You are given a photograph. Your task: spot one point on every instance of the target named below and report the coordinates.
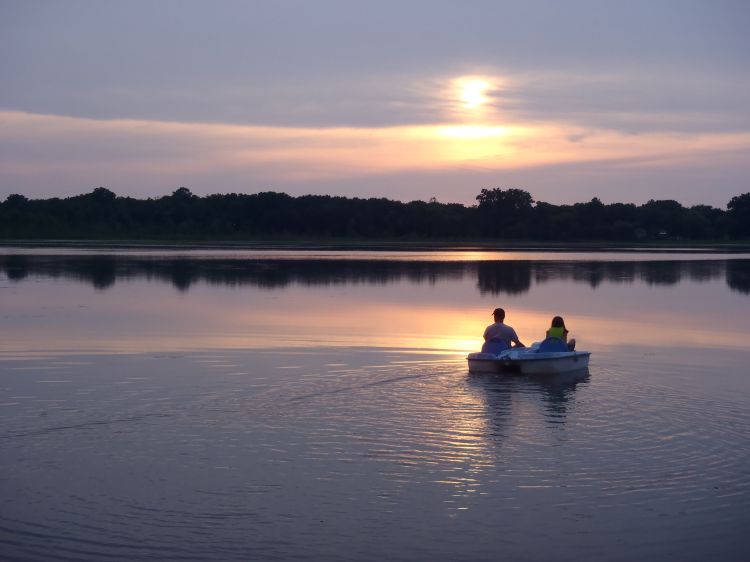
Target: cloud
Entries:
(337, 95)
(64, 155)
(635, 66)
(634, 100)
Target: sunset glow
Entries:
(473, 93)
(473, 132)
(411, 120)
(290, 154)
(365, 316)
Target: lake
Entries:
(237, 404)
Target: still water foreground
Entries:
(246, 407)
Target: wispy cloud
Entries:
(48, 145)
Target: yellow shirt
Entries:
(557, 333)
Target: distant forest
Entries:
(500, 214)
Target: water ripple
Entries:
(304, 463)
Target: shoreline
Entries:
(384, 245)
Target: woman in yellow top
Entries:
(558, 330)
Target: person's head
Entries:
(499, 314)
(557, 322)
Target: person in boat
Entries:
(558, 330)
(500, 332)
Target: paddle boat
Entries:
(549, 357)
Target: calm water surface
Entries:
(249, 405)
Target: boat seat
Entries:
(495, 346)
(552, 345)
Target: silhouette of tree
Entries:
(505, 212)
(739, 214)
(500, 213)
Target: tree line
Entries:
(499, 214)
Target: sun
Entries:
(473, 93)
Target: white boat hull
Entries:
(528, 362)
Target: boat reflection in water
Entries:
(520, 405)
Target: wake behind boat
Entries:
(546, 358)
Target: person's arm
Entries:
(487, 329)
(515, 340)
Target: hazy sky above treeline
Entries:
(625, 101)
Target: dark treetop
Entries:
(503, 214)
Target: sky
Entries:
(624, 101)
